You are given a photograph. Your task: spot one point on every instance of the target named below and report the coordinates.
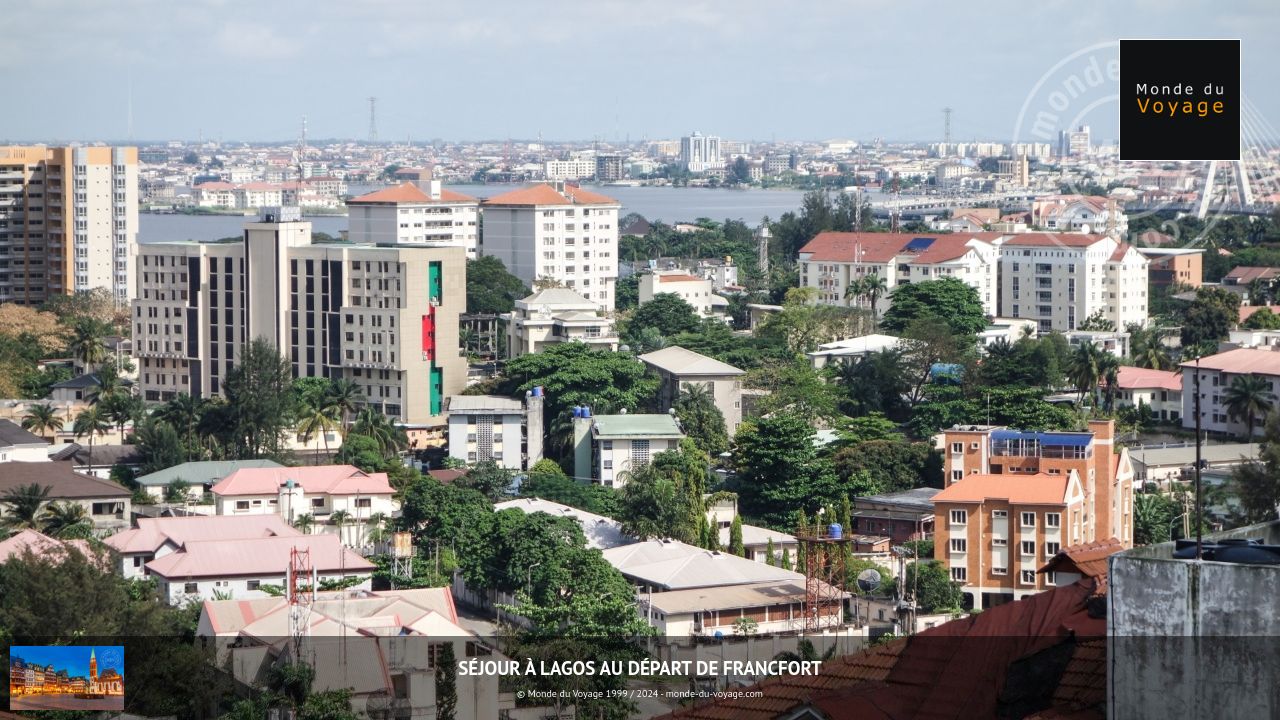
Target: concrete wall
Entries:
(1193, 639)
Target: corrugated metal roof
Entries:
(639, 425)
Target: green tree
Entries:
(802, 324)
(1098, 322)
(1248, 397)
(305, 523)
(446, 684)
(927, 342)
(663, 499)
(87, 345)
(44, 420)
(345, 398)
(373, 423)
(667, 313)
(66, 520)
(626, 293)
(1262, 319)
(1209, 319)
(735, 537)
(1148, 347)
(949, 299)
(700, 419)
(183, 413)
(258, 392)
(547, 481)
(1257, 484)
(159, 445)
(795, 386)
(1153, 517)
(361, 451)
(779, 470)
(176, 491)
(328, 705)
(432, 510)
(888, 466)
(932, 587)
(491, 289)
(487, 477)
(875, 383)
(91, 422)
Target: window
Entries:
(1051, 549)
(1028, 577)
(191, 588)
(317, 502)
(242, 505)
(959, 517)
(1028, 519)
(364, 502)
(1053, 520)
(1029, 547)
(608, 464)
(957, 447)
(999, 571)
(254, 584)
(999, 514)
(137, 561)
(999, 542)
(959, 574)
(959, 545)
(606, 444)
(957, 475)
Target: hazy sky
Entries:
(569, 69)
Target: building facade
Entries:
(1216, 373)
(501, 429)
(1062, 279)
(385, 318)
(408, 215)
(680, 369)
(68, 221)
(696, 291)
(556, 232)
(556, 315)
(699, 153)
(607, 447)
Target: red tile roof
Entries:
(1121, 250)
(883, 247)
(1087, 559)
(1136, 378)
(409, 193)
(1037, 489)
(322, 479)
(1241, 361)
(544, 194)
(1244, 274)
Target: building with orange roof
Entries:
(1049, 489)
(1061, 279)
(1174, 266)
(1159, 391)
(833, 261)
(695, 290)
(408, 214)
(556, 232)
(1217, 373)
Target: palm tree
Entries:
(42, 419)
(345, 397)
(121, 408)
(304, 523)
(87, 346)
(855, 289)
(1087, 368)
(873, 286)
(24, 504)
(66, 520)
(91, 421)
(1248, 396)
(340, 518)
(377, 531)
(370, 421)
(108, 383)
(1148, 348)
(317, 420)
(1111, 376)
(183, 412)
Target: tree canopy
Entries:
(952, 300)
(491, 289)
(780, 470)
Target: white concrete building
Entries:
(1061, 279)
(385, 318)
(157, 537)
(833, 261)
(318, 491)
(1216, 373)
(577, 168)
(1160, 391)
(1079, 214)
(106, 503)
(851, 350)
(700, 153)
(19, 445)
(606, 447)
(696, 291)
(679, 369)
(556, 315)
(501, 429)
(406, 215)
(556, 232)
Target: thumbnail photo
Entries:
(66, 677)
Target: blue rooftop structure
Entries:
(919, 244)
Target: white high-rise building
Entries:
(385, 318)
(556, 232)
(409, 215)
(700, 152)
(68, 221)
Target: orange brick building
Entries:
(1014, 498)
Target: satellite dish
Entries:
(869, 579)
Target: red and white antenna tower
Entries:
(301, 594)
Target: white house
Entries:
(1216, 373)
(606, 447)
(556, 315)
(156, 537)
(408, 215)
(850, 350)
(602, 532)
(107, 503)
(697, 291)
(200, 475)
(19, 445)
(1159, 390)
(488, 427)
(318, 490)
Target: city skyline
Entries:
(611, 71)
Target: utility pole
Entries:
(373, 119)
(946, 126)
(1199, 499)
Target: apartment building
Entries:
(501, 429)
(385, 318)
(1174, 266)
(576, 168)
(1106, 476)
(833, 261)
(696, 291)
(1061, 279)
(994, 531)
(699, 153)
(317, 491)
(556, 232)
(408, 215)
(1079, 213)
(68, 221)
(607, 447)
(1159, 391)
(556, 315)
(679, 369)
(1216, 373)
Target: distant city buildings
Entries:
(556, 233)
(410, 215)
(385, 318)
(68, 221)
(1075, 143)
(700, 153)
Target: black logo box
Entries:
(1187, 69)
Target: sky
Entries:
(72, 658)
(231, 70)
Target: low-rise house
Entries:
(106, 502)
(1163, 465)
(695, 290)
(679, 369)
(237, 569)
(318, 491)
(157, 537)
(102, 461)
(556, 315)
(901, 516)
(82, 387)
(19, 445)
(602, 532)
(852, 349)
(200, 475)
(1112, 342)
(606, 447)
(756, 542)
(1216, 373)
(1160, 391)
(488, 427)
(385, 648)
(997, 530)
(41, 546)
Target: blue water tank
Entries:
(537, 391)
(586, 411)
(835, 531)
(577, 411)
